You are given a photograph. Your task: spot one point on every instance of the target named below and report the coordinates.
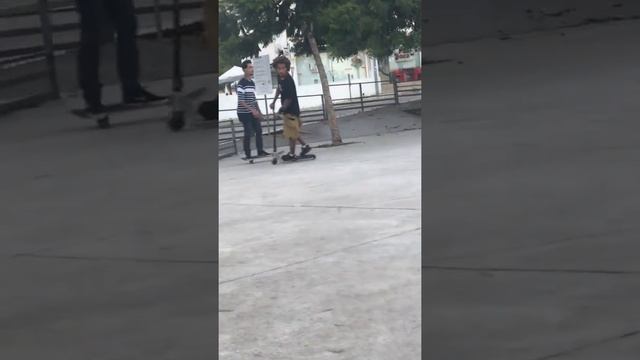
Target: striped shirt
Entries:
(246, 91)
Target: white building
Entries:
(345, 76)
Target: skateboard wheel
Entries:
(176, 123)
(103, 123)
(274, 161)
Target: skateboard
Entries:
(300, 158)
(277, 156)
(104, 122)
(255, 159)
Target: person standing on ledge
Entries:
(122, 14)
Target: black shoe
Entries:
(95, 109)
(289, 157)
(263, 153)
(99, 114)
(142, 96)
(305, 150)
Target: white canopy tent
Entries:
(232, 75)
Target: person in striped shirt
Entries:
(249, 112)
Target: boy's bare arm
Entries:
(273, 103)
(285, 104)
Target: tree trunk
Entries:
(336, 139)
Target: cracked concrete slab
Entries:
(320, 259)
(108, 238)
(105, 310)
(531, 152)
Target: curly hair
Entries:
(282, 60)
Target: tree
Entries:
(376, 26)
(341, 27)
(243, 27)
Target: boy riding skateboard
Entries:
(289, 108)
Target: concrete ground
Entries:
(530, 241)
(464, 20)
(320, 259)
(108, 238)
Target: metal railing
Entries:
(48, 49)
(400, 92)
(228, 147)
(45, 50)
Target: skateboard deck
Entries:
(300, 158)
(118, 108)
(273, 157)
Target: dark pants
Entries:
(251, 127)
(95, 17)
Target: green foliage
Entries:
(241, 30)
(342, 27)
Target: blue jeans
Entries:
(252, 127)
(98, 20)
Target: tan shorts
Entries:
(292, 125)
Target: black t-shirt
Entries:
(288, 91)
